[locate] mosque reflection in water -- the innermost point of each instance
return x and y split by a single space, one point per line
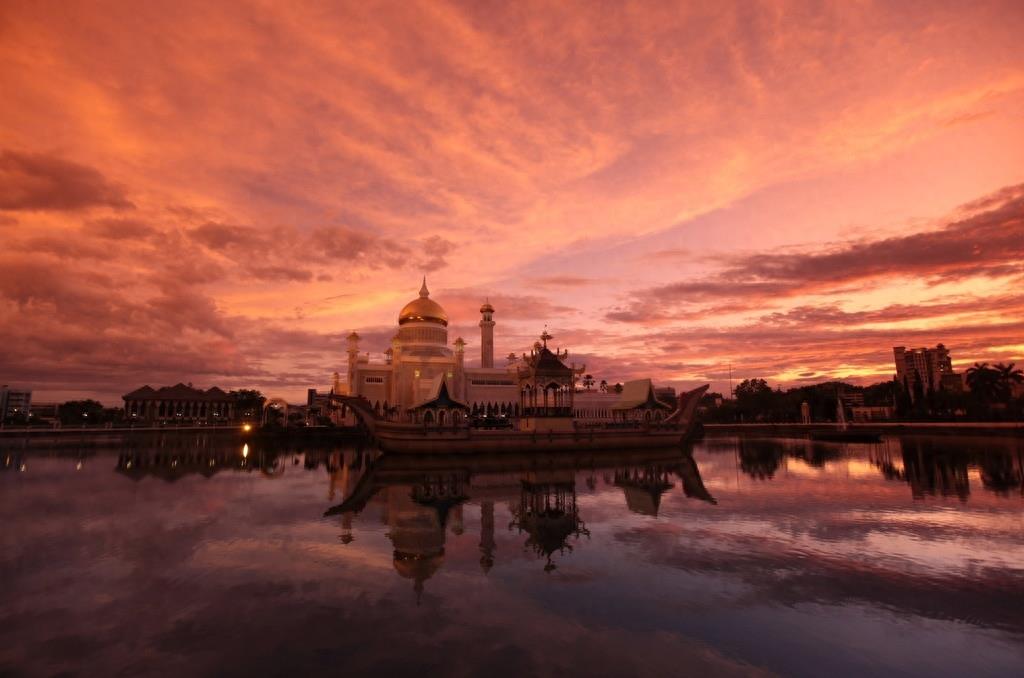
420 500
803 557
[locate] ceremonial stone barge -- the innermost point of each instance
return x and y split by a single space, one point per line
423 399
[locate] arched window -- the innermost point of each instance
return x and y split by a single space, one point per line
442 417
428 417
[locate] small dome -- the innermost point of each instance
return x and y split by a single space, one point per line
487 308
423 309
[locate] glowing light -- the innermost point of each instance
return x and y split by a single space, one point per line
245 450
247 427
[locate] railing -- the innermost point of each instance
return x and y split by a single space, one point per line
542 411
491 423
627 426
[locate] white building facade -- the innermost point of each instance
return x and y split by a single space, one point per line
420 359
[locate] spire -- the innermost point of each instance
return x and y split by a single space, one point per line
424 292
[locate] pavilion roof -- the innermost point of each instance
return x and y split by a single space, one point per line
639 394
441 399
547 364
643 500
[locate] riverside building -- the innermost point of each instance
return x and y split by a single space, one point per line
421 365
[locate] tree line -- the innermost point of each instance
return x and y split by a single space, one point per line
994 393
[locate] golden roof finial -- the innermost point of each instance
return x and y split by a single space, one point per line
423 308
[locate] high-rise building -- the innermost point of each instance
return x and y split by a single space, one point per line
925 365
15 404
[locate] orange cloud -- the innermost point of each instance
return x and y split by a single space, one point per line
657 183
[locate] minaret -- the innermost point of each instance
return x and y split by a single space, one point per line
487 543
487 335
353 356
460 369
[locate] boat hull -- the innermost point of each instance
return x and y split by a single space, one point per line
425 441
557 435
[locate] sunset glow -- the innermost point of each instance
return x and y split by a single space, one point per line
219 193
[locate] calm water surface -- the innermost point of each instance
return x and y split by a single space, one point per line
184 557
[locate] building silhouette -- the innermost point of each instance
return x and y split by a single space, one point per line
924 370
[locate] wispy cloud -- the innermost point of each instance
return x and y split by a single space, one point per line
669 188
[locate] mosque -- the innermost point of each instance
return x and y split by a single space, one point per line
419 367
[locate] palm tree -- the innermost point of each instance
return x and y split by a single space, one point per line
1008 377
984 382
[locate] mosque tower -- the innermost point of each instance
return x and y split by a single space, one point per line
487 335
460 368
353 356
487 543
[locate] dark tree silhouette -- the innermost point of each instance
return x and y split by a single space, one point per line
1008 376
80 412
248 402
984 383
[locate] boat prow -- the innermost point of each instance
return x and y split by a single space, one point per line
412 438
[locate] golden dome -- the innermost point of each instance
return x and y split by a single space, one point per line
422 309
418 567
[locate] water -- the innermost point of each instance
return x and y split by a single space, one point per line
748 557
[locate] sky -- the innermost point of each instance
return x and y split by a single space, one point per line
218 193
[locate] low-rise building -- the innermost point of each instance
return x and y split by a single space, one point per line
872 413
45 413
179 403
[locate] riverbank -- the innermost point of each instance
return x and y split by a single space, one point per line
101 437
974 428
98 437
